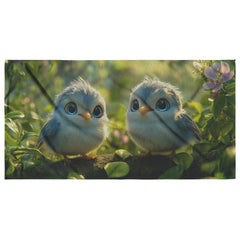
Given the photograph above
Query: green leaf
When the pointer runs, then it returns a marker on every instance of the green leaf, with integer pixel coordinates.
(219, 128)
(35, 116)
(27, 162)
(183, 159)
(29, 134)
(23, 150)
(27, 126)
(10, 140)
(48, 108)
(230, 87)
(8, 106)
(10, 167)
(123, 153)
(211, 127)
(209, 167)
(11, 149)
(204, 119)
(231, 99)
(220, 175)
(173, 172)
(229, 111)
(204, 147)
(74, 175)
(226, 139)
(11, 126)
(197, 106)
(218, 105)
(226, 128)
(15, 115)
(116, 169)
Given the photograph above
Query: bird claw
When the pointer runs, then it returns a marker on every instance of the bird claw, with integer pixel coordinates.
(88, 157)
(149, 154)
(171, 155)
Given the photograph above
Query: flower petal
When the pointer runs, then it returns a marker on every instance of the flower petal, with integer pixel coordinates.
(225, 67)
(116, 133)
(227, 76)
(209, 85)
(216, 67)
(125, 139)
(210, 73)
(217, 88)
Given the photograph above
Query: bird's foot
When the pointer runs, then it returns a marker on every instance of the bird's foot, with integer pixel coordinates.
(168, 155)
(149, 154)
(67, 161)
(84, 156)
(171, 155)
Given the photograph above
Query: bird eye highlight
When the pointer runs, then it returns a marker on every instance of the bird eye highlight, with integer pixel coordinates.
(71, 108)
(134, 105)
(162, 105)
(98, 111)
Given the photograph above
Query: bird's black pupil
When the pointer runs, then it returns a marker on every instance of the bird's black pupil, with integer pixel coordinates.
(135, 105)
(162, 104)
(71, 109)
(97, 111)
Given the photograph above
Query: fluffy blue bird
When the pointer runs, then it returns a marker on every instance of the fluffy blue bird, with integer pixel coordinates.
(156, 120)
(78, 124)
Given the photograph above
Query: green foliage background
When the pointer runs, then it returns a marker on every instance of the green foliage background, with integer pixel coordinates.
(27, 109)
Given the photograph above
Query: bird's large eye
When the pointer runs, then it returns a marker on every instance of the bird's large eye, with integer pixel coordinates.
(134, 105)
(98, 111)
(71, 108)
(162, 105)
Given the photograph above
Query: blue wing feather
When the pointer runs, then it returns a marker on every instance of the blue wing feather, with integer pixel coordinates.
(185, 123)
(48, 131)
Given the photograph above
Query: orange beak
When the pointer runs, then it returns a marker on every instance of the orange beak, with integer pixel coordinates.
(87, 115)
(144, 109)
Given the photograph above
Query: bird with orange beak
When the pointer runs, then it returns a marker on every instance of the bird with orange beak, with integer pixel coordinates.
(155, 119)
(78, 124)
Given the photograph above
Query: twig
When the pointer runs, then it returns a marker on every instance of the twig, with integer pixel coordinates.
(42, 89)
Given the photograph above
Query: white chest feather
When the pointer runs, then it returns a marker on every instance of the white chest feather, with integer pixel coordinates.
(155, 136)
(71, 140)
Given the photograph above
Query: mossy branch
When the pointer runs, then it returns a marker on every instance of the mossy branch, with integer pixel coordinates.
(140, 168)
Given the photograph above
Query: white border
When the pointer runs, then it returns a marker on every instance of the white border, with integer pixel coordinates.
(199, 209)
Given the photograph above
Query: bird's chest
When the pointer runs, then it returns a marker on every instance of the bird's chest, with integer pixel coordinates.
(71, 140)
(155, 136)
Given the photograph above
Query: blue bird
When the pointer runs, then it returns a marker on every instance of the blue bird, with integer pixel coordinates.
(78, 124)
(156, 120)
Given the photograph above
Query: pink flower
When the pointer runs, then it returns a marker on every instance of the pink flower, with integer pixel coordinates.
(222, 71)
(116, 133)
(125, 139)
(121, 136)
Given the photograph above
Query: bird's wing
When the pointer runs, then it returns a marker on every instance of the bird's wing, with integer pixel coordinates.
(185, 123)
(48, 131)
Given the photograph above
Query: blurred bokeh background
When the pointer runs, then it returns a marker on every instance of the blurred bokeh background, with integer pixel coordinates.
(114, 79)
